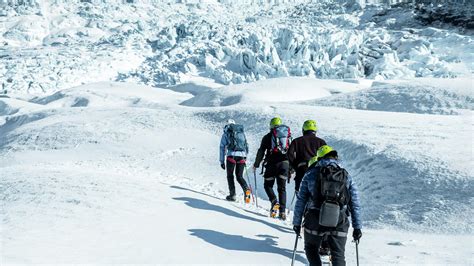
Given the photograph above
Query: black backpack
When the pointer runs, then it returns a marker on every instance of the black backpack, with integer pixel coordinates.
(332, 195)
(236, 137)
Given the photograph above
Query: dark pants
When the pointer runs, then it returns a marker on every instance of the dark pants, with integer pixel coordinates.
(300, 171)
(238, 164)
(278, 172)
(336, 244)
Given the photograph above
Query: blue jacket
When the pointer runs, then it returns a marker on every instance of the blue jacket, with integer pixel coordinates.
(305, 195)
(223, 148)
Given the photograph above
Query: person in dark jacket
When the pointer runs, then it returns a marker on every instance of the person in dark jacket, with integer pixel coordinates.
(276, 168)
(302, 149)
(308, 205)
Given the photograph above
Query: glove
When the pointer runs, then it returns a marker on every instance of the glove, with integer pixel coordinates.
(223, 166)
(357, 234)
(297, 229)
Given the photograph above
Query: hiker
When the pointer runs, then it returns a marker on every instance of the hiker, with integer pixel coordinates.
(234, 147)
(327, 211)
(302, 149)
(274, 148)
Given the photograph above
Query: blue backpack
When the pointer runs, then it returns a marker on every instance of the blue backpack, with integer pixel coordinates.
(236, 137)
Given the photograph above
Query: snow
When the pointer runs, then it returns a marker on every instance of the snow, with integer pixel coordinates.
(46, 46)
(424, 96)
(133, 177)
(111, 114)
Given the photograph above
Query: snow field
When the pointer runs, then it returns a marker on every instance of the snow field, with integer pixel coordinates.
(133, 177)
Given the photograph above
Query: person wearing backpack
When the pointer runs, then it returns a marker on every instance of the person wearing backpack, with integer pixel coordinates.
(274, 147)
(302, 149)
(326, 199)
(234, 149)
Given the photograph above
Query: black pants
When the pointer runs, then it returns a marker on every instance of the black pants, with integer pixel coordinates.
(238, 164)
(278, 172)
(300, 171)
(336, 244)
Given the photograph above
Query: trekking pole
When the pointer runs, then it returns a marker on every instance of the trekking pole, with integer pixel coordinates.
(294, 251)
(255, 181)
(250, 185)
(357, 252)
(292, 200)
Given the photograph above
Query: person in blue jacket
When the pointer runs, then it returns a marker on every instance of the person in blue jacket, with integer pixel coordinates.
(233, 149)
(308, 205)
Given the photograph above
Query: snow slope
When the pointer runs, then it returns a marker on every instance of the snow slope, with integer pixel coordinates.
(424, 96)
(131, 175)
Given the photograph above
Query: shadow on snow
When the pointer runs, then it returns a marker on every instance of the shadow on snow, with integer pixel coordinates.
(240, 243)
(214, 197)
(203, 205)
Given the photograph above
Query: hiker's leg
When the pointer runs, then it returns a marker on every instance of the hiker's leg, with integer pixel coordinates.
(311, 248)
(281, 184)
(239, 172)
(268, 185)
(337, 245)
(230, 176)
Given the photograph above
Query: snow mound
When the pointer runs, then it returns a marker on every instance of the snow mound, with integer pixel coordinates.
(428, 96)
(112, 94)
(290, 89)
(11, 106)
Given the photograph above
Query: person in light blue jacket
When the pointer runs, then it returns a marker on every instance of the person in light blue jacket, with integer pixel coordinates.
(233, 149)
(309, 204)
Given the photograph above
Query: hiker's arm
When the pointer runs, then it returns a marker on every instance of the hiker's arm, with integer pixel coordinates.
(302, 198)
(260, 154)
(354, 204)
(292, 155)
(222, 148)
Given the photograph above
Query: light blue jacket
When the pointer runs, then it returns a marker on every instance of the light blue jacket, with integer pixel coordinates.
(223, 148)
(305, 195)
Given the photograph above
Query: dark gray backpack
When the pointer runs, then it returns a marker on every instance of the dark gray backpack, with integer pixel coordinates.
(332, 195)
(236, 136)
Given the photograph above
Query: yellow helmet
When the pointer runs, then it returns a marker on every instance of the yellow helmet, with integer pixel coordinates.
(322, 151)
(276, 121)
(325, 150)
(312, 161)
(310, 125)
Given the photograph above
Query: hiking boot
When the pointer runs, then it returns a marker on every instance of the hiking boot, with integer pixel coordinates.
(230, 198)
(282, 216)
(274, 210)
(247, 196)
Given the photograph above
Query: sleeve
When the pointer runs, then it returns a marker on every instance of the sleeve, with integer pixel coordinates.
(246, 147)
(302, 199)
(222, 147)
(292, 155)
(354, 204)
(260, 153)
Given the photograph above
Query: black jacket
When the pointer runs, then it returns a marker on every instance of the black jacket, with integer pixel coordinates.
(303, 148)
(265, 150)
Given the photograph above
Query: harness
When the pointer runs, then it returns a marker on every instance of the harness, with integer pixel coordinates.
(232, 160)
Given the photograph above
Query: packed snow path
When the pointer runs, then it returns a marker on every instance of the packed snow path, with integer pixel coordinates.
(120, 173)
